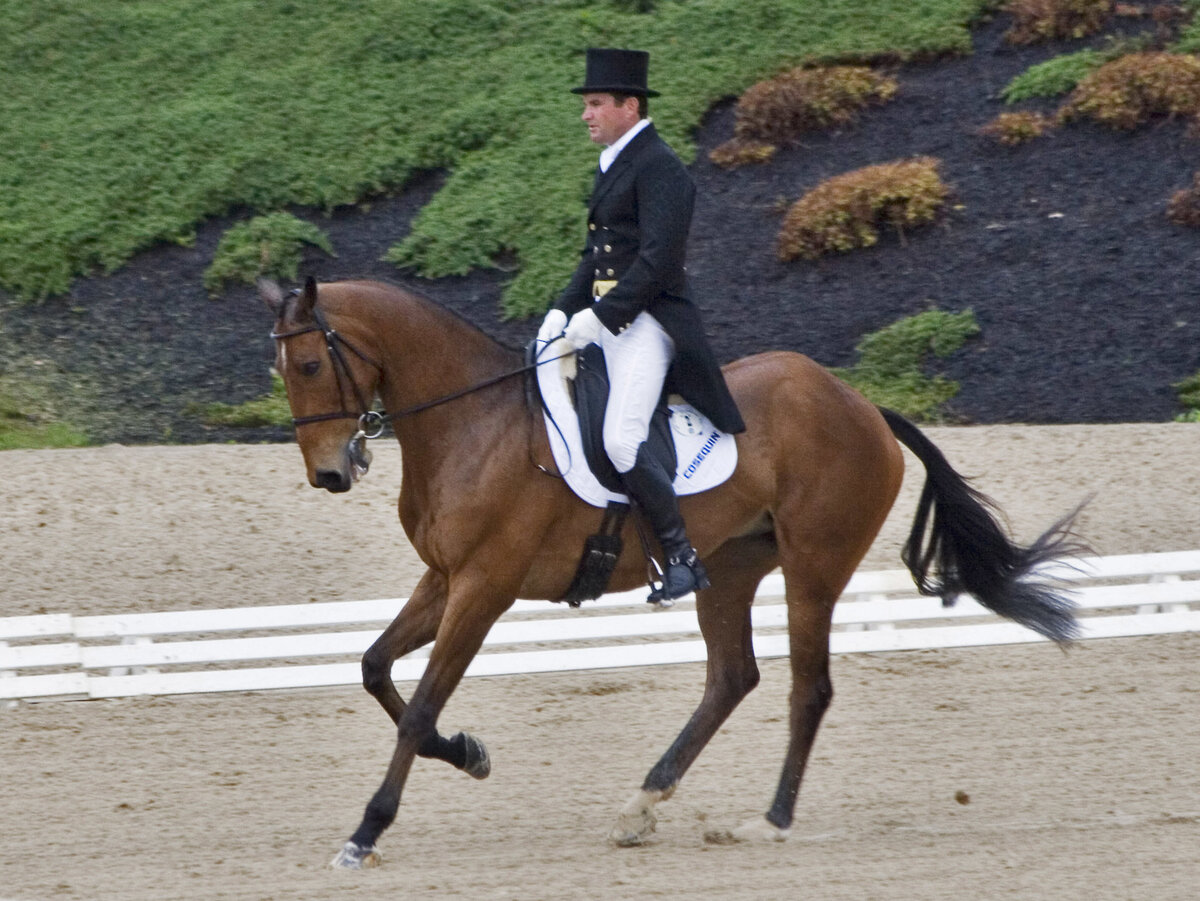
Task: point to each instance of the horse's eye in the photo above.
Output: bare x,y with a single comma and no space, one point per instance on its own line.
311,368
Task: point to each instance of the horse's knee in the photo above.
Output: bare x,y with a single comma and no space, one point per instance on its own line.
376,671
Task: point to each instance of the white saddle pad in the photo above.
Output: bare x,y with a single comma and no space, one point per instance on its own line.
705,455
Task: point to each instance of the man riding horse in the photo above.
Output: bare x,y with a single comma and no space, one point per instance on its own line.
630,295
808,495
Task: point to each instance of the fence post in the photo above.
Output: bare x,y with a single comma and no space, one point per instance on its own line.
1160,579
133,670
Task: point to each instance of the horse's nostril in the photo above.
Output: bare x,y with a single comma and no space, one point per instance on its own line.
332,480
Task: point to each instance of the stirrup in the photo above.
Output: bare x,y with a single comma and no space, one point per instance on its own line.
655,579
684,574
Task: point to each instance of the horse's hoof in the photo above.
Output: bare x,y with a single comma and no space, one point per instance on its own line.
354,857
758,830
478,763
636,821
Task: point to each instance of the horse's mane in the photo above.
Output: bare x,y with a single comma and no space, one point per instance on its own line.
405,295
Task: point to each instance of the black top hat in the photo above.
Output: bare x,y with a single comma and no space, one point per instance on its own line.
611,71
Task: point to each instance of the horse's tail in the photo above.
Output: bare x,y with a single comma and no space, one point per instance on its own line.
971,553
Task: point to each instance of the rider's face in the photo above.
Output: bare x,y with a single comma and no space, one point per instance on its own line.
606,120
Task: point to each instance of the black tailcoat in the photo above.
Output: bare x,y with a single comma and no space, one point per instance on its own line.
638,222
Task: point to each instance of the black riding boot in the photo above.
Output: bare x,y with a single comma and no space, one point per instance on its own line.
650,488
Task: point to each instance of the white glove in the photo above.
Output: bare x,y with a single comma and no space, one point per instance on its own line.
552,326
584,329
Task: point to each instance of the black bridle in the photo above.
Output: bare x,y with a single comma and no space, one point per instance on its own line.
371,422
341,371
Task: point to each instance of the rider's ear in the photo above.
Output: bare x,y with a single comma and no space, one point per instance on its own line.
271,294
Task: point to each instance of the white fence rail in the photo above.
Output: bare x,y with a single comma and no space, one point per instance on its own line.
242,649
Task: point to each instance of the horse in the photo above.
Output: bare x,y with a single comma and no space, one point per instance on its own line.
819,467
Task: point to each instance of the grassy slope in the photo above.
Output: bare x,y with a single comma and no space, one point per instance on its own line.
126,122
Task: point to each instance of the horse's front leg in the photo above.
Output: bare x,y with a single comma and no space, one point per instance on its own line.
414,627
468,616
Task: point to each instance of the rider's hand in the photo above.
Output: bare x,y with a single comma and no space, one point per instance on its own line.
552,326
584,329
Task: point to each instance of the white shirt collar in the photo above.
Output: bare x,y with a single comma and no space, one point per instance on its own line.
609,153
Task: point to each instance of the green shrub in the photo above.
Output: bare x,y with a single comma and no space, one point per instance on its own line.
1017,128
1188,22
123,124
891,361
28,420
271,409
1134,89
271,245
1188,392
18,435
846,211
1052,20
1054,77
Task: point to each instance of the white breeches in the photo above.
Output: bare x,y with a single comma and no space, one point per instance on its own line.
637,360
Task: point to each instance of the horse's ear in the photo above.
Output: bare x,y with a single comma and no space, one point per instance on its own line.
271,294
307,299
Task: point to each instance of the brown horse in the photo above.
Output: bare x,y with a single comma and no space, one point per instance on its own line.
819,468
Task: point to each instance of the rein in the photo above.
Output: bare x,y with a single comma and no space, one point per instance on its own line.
371,422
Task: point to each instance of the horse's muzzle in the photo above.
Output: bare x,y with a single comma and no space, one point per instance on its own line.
355,463
332,480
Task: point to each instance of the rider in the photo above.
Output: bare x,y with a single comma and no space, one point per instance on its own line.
630,295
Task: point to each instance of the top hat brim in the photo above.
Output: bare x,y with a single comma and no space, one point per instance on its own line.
632,90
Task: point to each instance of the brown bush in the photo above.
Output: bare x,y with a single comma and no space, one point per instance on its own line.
1136,88
1049,20
847,210
1017,128
1167,14
1184,206
779,110
741,152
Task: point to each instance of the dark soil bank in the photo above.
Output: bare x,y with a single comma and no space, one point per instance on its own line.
1085,292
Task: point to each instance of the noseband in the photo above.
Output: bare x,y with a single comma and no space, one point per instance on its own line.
371,422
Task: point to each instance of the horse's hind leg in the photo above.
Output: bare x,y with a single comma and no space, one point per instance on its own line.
732,673
810,599
415,626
